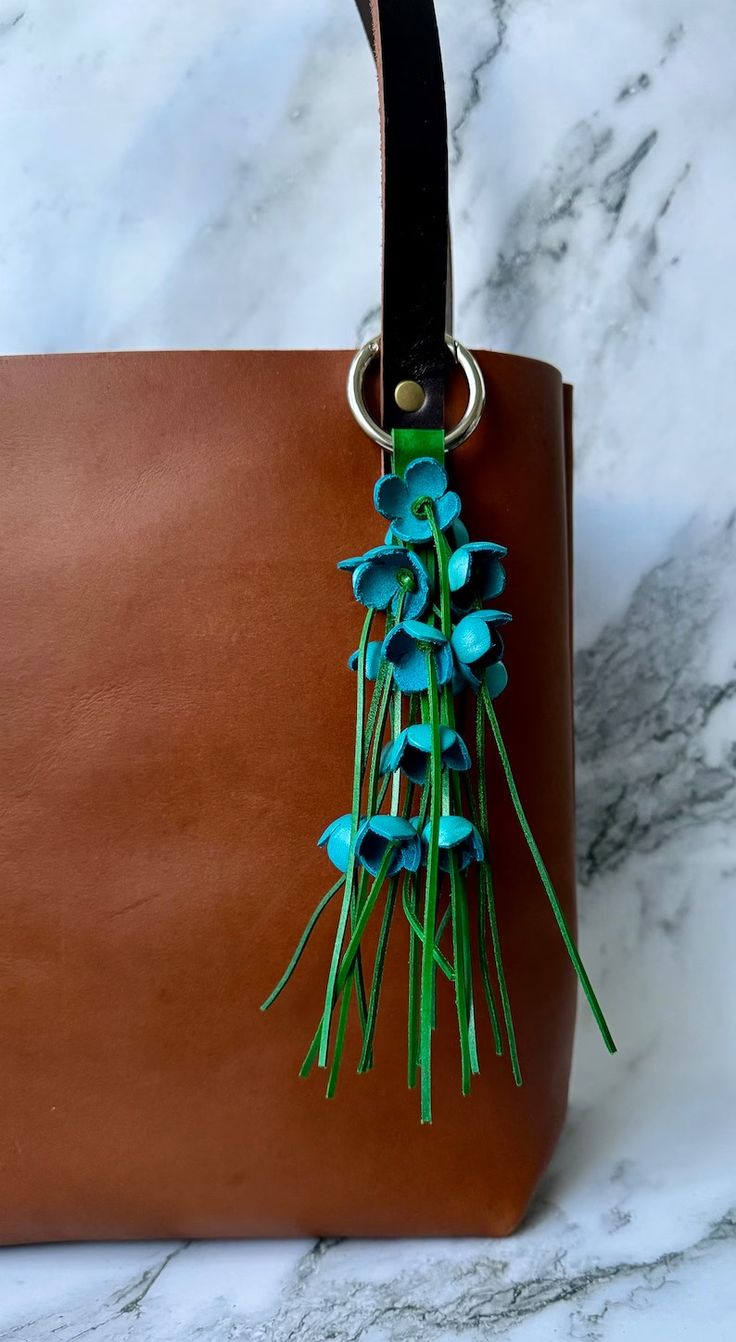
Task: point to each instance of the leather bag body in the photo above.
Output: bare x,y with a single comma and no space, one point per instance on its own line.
176,728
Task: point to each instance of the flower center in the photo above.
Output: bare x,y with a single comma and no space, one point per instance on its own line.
422,507
406,579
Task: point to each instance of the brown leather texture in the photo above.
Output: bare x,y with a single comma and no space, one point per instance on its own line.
176,727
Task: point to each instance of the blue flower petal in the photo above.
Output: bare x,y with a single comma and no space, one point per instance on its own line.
410,673
415,764
470,679
392,827
350,564
447,509
419,735
458,835
411,854
492,579
455,754
454,829
445,664
459,680
425,478
471,639
373,658
424,633
370,849
337,840
391,496
404,646
458,533
382,552
496,678
376,580
376,834
475,570
477,845
416,602
413,529
458,568
498,649
493,616
392,753
474,636
374,585
377,552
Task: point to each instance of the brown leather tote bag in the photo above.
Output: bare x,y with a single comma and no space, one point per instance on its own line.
178,727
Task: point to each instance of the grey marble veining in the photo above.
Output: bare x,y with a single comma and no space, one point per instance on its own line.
649,701
210,178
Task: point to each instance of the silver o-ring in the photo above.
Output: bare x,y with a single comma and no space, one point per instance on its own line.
456,435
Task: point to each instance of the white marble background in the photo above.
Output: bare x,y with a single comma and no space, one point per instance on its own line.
207,174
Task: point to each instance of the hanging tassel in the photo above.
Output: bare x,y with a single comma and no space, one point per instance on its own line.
419,819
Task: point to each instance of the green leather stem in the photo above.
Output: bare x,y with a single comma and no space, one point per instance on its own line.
459,949
346,966
366,1057
418,930
408,899
301,944
348,899
427,1009
409,444
487,893
544,877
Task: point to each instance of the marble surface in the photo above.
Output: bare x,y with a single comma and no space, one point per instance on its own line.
208,175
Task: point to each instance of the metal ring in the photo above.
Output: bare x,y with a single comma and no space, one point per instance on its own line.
464,426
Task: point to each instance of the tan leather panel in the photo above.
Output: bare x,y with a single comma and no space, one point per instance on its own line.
176,724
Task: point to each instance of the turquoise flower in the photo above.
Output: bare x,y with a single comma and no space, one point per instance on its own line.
458,837
478,646
336,839
412,748
406,502
381,576
381,831
407,646
476,573
373,658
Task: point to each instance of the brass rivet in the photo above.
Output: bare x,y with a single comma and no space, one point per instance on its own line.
409,396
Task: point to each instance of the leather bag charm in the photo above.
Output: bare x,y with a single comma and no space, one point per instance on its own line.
418,839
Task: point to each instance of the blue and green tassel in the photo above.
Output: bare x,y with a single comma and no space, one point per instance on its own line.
419,818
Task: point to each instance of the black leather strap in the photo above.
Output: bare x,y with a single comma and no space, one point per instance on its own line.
416,295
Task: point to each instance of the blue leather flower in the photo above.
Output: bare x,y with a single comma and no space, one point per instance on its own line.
336,839
476,573
373,658
407,645
374,837
412,748
382,575
478,645
457,836
405,502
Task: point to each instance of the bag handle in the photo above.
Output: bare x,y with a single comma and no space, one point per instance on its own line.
416,300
